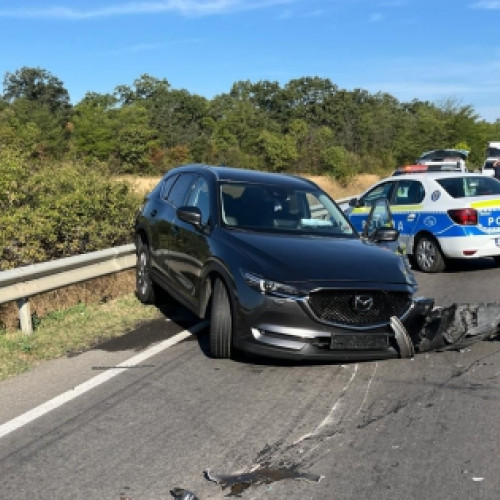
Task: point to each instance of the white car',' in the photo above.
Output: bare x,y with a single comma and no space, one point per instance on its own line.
439,215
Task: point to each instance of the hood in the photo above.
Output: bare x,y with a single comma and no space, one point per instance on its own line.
294,259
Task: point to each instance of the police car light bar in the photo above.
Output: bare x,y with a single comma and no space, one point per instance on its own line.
412,169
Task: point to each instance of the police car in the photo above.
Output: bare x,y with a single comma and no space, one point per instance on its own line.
439,215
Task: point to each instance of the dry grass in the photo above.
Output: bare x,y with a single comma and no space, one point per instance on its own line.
96,291
337,191
143,185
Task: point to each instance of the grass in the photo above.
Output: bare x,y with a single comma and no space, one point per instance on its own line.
69,331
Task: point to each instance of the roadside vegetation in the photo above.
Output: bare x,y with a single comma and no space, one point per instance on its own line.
69,331
72,175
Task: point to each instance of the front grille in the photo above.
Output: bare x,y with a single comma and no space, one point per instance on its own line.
350,307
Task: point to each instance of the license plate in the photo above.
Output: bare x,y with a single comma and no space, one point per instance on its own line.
358,341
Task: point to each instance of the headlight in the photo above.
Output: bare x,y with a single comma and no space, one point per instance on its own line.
269,287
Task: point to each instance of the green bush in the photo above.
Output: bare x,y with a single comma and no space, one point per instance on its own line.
341,164
57,210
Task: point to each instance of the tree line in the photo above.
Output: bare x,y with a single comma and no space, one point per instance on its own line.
308,125
58,161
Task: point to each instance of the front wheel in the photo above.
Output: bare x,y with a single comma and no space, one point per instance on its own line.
497,260
145,289
428,255
221,322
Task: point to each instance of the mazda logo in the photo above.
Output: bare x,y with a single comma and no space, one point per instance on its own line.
362,303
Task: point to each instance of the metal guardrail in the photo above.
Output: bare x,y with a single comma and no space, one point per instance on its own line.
23,282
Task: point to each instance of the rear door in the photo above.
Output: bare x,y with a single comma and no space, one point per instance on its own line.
190,246
166,224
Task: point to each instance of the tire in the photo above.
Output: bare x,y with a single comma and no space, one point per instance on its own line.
497,260
144,286
221,322
428,256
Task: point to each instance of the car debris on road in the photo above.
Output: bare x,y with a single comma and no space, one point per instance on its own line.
263,475
452,327
182,494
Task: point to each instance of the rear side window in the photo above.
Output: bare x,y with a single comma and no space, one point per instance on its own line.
408,193
167,186
464,187
179,191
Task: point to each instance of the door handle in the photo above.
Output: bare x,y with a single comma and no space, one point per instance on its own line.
411,217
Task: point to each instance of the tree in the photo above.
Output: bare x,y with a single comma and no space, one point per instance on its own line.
279,151
40,102
95,125
36,85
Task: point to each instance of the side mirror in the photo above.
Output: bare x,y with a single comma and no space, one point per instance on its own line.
384,234
191,215
353,202
379,221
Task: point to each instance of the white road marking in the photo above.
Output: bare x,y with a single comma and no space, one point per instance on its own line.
92,383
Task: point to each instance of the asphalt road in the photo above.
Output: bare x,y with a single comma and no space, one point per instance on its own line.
424,428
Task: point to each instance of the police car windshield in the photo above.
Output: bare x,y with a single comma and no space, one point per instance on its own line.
464,187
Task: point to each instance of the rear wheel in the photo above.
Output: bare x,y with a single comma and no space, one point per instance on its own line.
144,289
497,260
428,255
221,323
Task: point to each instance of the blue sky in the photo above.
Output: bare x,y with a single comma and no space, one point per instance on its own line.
436,50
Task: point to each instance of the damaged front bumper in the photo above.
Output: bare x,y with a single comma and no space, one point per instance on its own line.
293,336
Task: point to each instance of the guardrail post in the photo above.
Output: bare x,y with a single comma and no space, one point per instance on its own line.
25,316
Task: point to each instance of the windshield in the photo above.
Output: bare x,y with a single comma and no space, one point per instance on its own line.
493,153
463,187
282,209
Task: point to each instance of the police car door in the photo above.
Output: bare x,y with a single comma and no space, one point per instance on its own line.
406,207
360,211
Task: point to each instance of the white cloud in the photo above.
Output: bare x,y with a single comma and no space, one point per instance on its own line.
148,47
486,4
183,7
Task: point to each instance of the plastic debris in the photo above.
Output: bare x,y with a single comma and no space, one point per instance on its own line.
182,494
240,482
456,327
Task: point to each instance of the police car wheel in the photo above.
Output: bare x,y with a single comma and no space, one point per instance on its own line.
497,260
428,255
